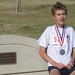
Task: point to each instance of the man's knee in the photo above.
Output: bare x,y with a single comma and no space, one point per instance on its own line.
54,72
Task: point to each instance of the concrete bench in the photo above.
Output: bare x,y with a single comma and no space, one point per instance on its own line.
19,55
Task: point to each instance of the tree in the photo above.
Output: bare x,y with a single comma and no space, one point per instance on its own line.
18,5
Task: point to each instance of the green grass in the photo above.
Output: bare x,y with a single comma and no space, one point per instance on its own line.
34,17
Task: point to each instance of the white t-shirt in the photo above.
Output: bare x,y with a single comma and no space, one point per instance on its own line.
49,40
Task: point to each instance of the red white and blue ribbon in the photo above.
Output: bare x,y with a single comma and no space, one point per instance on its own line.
60,38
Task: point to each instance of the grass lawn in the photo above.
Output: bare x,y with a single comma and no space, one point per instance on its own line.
34,17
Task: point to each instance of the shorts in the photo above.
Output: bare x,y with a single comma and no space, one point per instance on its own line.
63,71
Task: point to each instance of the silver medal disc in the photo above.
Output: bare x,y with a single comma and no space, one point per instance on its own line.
62,52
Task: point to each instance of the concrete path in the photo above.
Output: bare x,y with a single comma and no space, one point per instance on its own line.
28,61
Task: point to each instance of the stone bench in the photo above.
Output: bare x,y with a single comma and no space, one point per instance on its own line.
19,55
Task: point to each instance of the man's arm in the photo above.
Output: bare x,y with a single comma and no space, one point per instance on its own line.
73,56
44,55
71,63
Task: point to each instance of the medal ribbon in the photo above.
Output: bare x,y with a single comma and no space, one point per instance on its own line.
60,38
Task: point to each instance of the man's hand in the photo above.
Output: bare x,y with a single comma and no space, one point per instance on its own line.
69,65
60,66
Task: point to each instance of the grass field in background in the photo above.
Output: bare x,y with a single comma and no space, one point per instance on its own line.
34,17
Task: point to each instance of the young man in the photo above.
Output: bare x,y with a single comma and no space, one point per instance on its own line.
59,40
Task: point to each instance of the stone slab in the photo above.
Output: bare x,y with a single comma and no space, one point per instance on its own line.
27,55
37,73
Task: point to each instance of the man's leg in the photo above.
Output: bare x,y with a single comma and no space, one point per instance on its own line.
73,73
55,72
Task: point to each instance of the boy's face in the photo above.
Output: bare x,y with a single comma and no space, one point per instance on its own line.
60,17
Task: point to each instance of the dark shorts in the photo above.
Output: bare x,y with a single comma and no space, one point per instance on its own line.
63,71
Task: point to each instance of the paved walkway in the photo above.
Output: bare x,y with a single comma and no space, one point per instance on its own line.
28,61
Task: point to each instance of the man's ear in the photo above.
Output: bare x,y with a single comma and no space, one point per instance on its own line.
53,17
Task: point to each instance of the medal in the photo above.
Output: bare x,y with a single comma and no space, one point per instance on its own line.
61,38
62,51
